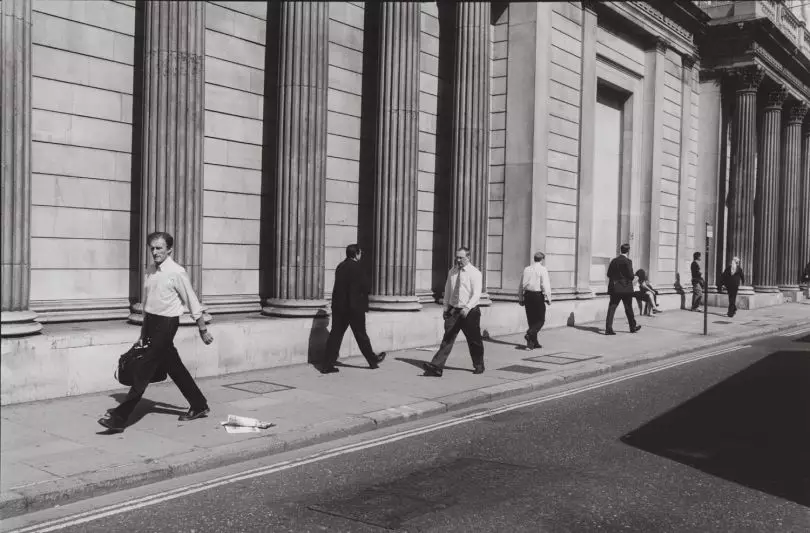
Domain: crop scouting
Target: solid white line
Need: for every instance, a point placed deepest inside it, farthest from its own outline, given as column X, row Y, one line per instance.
column 139, row 503
column 794, row 333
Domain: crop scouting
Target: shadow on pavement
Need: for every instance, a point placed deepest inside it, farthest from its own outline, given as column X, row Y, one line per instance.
column 752, row 429
column 506, row 343
column 418, row 364
column 591, row 329
column 146, row 406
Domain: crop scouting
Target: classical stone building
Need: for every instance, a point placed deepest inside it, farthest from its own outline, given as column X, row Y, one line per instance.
column 268, row 136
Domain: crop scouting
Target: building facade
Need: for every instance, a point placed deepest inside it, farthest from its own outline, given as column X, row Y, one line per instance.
column 268, row 136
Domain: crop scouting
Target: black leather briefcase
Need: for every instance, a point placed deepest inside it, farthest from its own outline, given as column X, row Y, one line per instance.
column 129, row 364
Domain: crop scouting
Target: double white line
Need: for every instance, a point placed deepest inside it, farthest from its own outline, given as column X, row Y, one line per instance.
column 795, row 333
column 146, row 501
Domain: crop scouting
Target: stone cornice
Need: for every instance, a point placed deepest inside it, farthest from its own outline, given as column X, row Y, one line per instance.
column 765, row 59
column 649, row 19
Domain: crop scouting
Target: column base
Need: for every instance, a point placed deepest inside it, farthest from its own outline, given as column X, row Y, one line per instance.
column 746, row 301
column 136, row 316
column 766, row 288
column 746, row 290
column 792, row 293
column 583, row 293
column 485, row 301
column 379, row 302
column 295, row 308
column 19, row 323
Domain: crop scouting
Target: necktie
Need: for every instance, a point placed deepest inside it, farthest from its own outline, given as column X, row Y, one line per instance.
column 457, row 290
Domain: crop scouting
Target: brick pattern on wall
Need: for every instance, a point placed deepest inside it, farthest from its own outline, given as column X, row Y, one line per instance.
column 234, row 106
column 428, row 105
column 82, row 62
column 346, row 22
column 498, row 71
column 669, row 173
column 563, row 148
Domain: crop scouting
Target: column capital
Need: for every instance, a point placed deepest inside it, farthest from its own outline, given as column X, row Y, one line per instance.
column 777, row 97
column 689, row 60
column 660, row 44
column 589, row 5
column 746, row 79
column 797, row 111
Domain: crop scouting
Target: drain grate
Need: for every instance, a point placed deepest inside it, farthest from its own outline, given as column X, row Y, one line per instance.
column 561, row 358
column 258, row 387
column 523, row 369
column 721, row 322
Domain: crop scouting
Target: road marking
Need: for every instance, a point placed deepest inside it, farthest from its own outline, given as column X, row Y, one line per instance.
column 794, row 333
column 146, row 501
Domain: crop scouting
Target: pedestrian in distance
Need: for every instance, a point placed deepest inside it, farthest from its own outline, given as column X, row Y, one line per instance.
column 349, row 307
column 731, row 279
column 166, row 289
column 534, row 293
column 620, row 289
column 698, row 284
column 462, row 292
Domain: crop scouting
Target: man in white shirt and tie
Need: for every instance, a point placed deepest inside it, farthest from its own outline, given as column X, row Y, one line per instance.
column 166, row 289
column 534, row 293
column 462, row 292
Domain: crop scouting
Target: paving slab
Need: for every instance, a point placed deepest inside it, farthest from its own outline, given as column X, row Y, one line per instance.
column 54, row 451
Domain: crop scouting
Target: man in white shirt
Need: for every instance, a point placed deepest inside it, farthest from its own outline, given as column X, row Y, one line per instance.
column 166, row 288
column 462, row 292
column 534, row 293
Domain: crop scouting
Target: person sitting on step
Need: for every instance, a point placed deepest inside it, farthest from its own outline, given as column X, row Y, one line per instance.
column 646, row 293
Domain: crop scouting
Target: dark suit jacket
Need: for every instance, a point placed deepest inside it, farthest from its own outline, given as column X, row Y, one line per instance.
column 620, row 273
column 350, row 293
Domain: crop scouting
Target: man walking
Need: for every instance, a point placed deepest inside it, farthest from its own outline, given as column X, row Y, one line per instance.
column 620, row 288
column 166, row 289
column 534, row 293
column 462, row 292
column 349, row 307
column 697, row 282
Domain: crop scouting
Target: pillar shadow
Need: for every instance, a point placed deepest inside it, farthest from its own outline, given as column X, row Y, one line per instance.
column 136, row 245
column 751, row 429
column 318, row 335
column 505, row 343
column 680, row 290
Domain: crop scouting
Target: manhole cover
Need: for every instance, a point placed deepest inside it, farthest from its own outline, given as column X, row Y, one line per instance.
column 523, row 369
column 721, row 322
column 258, row 387
column 561, row 358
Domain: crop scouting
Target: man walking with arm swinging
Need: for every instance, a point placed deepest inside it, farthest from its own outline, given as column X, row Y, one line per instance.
column 534, row 293
column 620, row 288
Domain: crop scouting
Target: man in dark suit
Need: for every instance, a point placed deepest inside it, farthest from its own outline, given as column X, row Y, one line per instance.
column 620, row 288
column 349, row 306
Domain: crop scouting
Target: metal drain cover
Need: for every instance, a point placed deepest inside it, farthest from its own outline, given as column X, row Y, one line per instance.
column 258, row 387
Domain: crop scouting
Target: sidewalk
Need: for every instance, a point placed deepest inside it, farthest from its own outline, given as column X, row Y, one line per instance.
column 54, row 451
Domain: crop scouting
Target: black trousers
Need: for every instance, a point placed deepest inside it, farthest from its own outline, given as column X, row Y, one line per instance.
column 627, row 300
column 471, row 326
column 732, row 300
column 535, row 305
column 340, row 323
column 161, row 330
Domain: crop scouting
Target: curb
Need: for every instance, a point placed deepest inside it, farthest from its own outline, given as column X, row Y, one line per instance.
column 40, row 496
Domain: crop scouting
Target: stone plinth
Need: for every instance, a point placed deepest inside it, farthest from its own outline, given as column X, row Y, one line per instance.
column 747, row 301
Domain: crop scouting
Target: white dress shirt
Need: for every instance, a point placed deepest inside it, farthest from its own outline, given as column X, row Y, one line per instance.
column 166, row 288
column 469, row 288
column 535, row 278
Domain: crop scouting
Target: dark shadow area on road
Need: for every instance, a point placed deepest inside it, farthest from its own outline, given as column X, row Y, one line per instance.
column 147, row 406
column 751, row 429
column 418, row 364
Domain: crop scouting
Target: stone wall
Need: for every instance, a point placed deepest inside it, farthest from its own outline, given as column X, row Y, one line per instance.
column 499, row 72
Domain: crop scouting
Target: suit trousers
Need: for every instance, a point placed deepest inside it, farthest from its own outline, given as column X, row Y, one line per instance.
column 471, row 326
column 535, row 305
column 161, row 331
column 340, row 323
column 627, row 300
column 697, row 293
column 732, row 300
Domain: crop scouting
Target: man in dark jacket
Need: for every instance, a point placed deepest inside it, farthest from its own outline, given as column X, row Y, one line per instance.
column 349, row 306
column 620, row 288
column 698, row 283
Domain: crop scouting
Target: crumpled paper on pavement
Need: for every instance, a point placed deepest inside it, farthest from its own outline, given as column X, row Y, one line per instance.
column 244, row 424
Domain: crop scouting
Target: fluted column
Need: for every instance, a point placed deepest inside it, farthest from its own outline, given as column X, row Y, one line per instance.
column 172, row 135
column 299, row 165
column 16, row 319
column 788, row 255
column 396, row 158
column 804, row 211
column 469, row 156
column 766, row 231
column 742, row 182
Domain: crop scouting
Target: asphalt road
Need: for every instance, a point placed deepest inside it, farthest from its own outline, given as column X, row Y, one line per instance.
column 718, row 444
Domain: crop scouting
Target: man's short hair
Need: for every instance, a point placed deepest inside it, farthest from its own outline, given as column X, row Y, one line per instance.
column 352, row 250
column 464, row 249
column 625, row 248
column 696, row 256
column 161, row 235
column 539, row 256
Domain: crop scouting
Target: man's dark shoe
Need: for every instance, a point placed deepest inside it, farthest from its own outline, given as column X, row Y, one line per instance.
column 329, row 369
column 379, row 359
column 610, row 332
column 114, row 423
column 194, row 414
column 479, row 369
column 432, row 370
column 635, row 329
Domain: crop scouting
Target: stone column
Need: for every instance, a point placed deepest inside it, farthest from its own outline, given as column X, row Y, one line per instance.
column 172, row 135
column 469, row 155
column 396, row 158
column 804, row 212
column 299, row 162
column 16, row 319
column 765, row 243
column 788, row 250
column 742, row 182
